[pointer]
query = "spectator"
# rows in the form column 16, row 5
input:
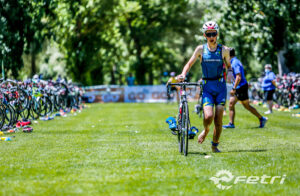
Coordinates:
column 172, row 89
column 58, row 78
column 130, row 80
column 269, row 85
column 164, row 78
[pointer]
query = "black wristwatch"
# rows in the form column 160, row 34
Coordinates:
column 233, row 88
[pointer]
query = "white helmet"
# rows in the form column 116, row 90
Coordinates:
column 210, row 25
column 35, row 77
column 268, row 66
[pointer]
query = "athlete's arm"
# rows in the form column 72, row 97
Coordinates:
column 237, row 80
column 226, row 56
column 274, row 83
column 170, row 79
column 197, row 53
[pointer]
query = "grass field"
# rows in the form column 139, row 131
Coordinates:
column 127, row 149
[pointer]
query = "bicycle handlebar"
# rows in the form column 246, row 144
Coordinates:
column 185, row 84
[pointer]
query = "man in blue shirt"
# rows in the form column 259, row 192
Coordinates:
column 130, row 80
column 239, row 92
column 269, row 85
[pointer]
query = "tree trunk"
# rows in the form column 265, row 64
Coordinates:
column 33, row 65
column 112, row 75
column 151, row 77
column 140, row 67
column 282, row 68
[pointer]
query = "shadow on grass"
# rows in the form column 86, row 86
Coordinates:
column 256, row 128
column 230, row 151
column 256, row 150
column 233, row 130
column 198, row 153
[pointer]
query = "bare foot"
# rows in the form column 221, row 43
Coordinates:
column 202, row 137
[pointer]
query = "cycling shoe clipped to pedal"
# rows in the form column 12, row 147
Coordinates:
column 172, row 123
column 192, row 133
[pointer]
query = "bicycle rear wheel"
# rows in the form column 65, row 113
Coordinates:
column 35, row 109
column 2, row 117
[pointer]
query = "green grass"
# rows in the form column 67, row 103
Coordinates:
column 127, row 149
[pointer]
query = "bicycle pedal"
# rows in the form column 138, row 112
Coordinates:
column 174, row 133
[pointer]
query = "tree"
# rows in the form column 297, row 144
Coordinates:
column 24, row 27
column 85, row 30
column 263, row 29
column 145, row 26
column 12, row 26
column 39, row 20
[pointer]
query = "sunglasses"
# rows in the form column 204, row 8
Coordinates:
column 214, row 34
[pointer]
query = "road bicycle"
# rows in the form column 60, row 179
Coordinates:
column 183, row 129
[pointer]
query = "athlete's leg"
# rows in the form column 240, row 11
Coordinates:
column 168, row 94
column 177, row 90
column 208, row 105
column 232, row 102
column 220, row 102
column 207, row 120
column 269, row 99
column 251, row 109
column 218, row 123
column 270, row 105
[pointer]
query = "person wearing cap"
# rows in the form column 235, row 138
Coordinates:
column 172, row 89
column 239, row 92
column 165, row 78
column 212, row 57
column 269, row 85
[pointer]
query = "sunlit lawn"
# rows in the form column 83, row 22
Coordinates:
column 127, row 149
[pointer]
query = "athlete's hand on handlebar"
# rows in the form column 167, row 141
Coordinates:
column 180, row 78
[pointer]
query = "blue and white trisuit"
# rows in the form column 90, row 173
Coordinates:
column 213, row 75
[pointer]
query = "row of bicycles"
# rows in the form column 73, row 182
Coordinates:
column 287, row 93
column 35, row 98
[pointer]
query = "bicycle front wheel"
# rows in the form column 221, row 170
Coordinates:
column 179, row 121
column 185, row 129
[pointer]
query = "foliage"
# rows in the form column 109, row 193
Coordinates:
column 85, row 30
column 104, row 41
column 261, row 29
column 145, row 30
column 108, row 37
column 24, row 25
column 12, row 28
